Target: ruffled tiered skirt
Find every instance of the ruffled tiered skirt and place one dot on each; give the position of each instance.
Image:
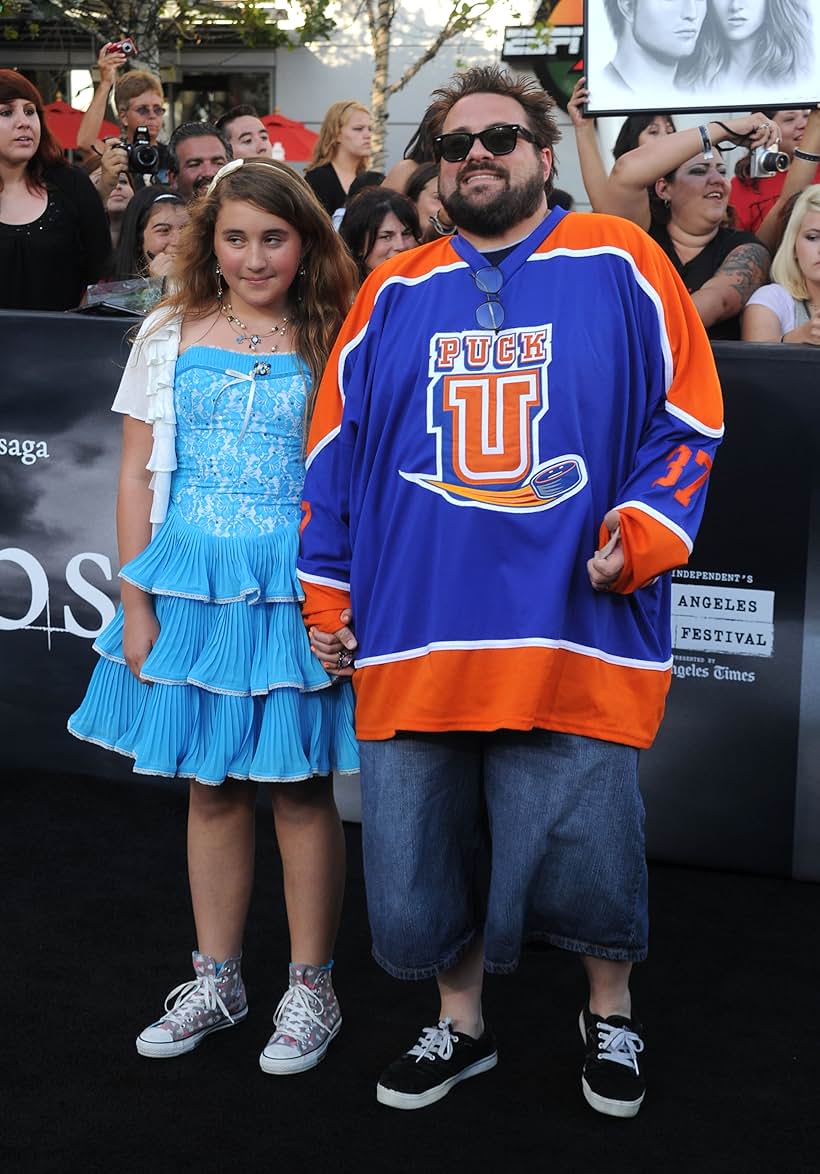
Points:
(235, 690)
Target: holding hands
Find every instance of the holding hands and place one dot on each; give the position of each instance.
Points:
(335, 649)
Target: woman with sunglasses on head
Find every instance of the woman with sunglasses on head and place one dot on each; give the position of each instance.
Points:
(54, 238)
(379, 224)
(676, 187)
(758, 202)
(206, 671)
(341, 152)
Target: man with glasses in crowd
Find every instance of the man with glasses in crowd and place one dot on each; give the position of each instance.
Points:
(499, 404)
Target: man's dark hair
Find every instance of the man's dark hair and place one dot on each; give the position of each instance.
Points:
(244, 111)
(194, 130)
(491, 79)
(616, 17)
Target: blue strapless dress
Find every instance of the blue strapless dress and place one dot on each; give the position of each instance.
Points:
(236, 691)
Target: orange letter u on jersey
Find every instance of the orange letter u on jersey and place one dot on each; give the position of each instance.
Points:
(492, 424)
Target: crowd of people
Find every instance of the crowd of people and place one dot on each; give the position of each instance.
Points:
(310, 475)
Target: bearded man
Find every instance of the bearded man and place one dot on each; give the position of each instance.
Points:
(499, 404)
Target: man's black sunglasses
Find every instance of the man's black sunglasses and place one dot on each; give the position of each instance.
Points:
(498, 140)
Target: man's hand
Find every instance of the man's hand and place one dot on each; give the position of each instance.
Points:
(335, 649)
(607, 563)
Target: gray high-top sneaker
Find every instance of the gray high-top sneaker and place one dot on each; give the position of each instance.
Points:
(306, 1020)
(207, 1003)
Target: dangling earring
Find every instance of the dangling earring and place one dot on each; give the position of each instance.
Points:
(300, 276)
(667, 204)
(219, 289)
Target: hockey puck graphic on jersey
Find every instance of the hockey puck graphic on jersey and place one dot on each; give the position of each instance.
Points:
(556, 479)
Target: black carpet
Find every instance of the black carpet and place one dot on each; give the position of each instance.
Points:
(98, 930)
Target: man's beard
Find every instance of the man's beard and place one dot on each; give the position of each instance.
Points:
(507, 208)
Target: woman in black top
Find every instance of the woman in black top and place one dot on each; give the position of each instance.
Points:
(341, 152)
(676, 187)
(53, 231)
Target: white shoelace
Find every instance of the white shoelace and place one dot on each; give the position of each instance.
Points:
(619, 1044)
(298, 1008)
(435, 1041)
(200, 993)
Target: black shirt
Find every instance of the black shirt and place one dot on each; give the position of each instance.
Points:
(327, 186)
(47, 263)
(697, 272)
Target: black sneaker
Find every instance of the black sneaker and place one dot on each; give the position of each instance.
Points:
(612, 1081)
(429, 1070)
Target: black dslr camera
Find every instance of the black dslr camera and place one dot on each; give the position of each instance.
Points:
(143, 158)
(766, 162)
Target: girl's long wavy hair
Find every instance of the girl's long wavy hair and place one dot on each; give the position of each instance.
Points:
(325, 147)
(785, 269)
(49, 153)
(782, 47)
(319, 297)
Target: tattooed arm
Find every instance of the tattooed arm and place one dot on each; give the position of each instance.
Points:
(725, 294)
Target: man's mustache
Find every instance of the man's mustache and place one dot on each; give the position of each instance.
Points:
(471, 169)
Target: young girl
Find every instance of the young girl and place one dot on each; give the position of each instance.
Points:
(206, 671)
(788, 310)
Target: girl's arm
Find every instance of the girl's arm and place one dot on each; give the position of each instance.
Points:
(634, 172)
(134, 498)
(760, 324)
(725, 294)
(593, 172)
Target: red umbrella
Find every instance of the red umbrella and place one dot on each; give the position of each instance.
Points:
(297, 141)
(64, 122)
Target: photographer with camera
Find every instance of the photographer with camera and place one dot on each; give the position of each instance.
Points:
(140, 105)
(758, 191)
(676, 187)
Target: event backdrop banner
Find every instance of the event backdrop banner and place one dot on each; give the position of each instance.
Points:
(733, 780)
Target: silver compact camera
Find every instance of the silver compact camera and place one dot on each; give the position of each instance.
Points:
(766, 162)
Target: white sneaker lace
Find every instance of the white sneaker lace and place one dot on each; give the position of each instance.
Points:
(298, 1008)
(435, 1041)
(199, 993)
(619, 1044)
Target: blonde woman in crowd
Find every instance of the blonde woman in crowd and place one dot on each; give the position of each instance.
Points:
(341, 152)
(788, 310)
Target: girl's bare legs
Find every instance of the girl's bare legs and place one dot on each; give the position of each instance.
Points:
(312, 847)
(220, 864)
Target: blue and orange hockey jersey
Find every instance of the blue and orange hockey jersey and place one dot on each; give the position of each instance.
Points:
(458, 478)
